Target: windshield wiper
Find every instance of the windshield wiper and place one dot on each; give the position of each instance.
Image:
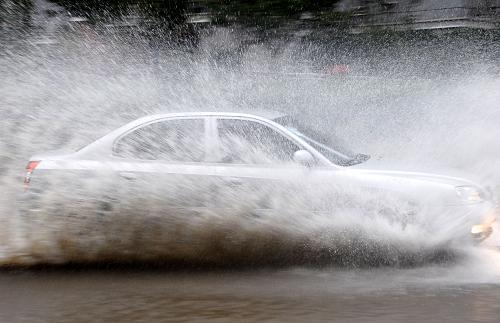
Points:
(358, 159)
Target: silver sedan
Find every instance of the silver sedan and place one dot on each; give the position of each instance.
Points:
(263, 162)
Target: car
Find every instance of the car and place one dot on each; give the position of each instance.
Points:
(262, 162)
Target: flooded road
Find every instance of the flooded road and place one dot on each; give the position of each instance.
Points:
(430, 294)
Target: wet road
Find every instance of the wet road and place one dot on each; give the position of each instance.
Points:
(464, 291)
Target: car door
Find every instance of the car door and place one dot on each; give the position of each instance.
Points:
(162, 166)
(255, 171)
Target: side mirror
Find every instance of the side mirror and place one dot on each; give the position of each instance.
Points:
(303, 157)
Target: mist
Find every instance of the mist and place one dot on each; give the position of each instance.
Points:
(84, 82)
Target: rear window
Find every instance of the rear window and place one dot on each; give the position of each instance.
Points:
(180, 140)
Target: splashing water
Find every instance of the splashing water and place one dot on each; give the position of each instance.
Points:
(65, 94)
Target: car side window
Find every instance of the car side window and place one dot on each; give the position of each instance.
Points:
(181, 140)
(249, 142)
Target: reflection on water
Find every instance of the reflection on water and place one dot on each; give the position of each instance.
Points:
(466, 290)
(455, 292)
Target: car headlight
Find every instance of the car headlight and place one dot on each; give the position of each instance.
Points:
(470, 194)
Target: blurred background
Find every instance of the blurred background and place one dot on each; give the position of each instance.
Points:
(380, 32)
(353, 15)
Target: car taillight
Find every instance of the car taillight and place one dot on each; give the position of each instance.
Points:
(29, 170)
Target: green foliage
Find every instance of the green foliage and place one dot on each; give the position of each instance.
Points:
(270, 8)
(246, 12)
(170, 10)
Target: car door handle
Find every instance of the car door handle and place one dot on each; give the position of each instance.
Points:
(234, 181)
(128, 175)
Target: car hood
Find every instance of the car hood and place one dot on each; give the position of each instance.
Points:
(378, 167)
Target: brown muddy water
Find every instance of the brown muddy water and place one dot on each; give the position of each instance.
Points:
(444, 293)
(465, 288)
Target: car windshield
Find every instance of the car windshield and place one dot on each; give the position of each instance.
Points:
(329, 146)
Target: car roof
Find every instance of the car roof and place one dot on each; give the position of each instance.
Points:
(262, 114)
(267, 114)
(112, 136)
